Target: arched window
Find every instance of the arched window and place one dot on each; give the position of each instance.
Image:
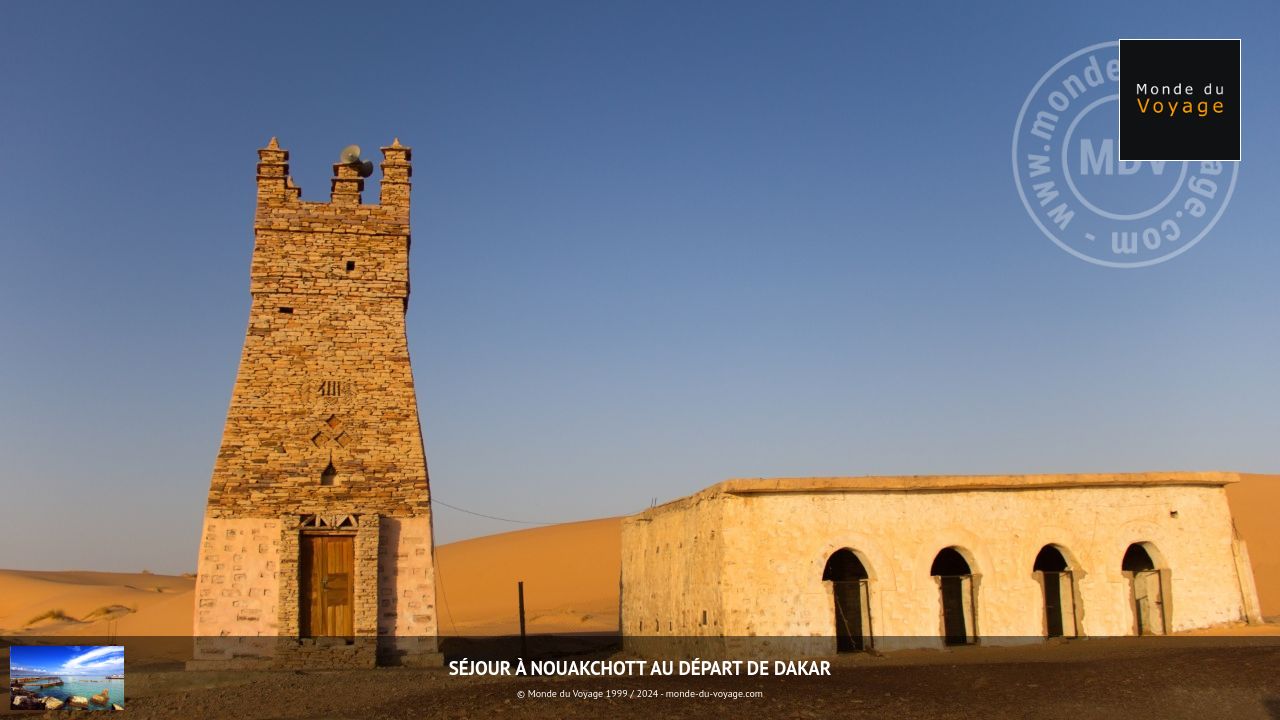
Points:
(1137, 559)
(329, 475)
(1050, 559)
(949, 561)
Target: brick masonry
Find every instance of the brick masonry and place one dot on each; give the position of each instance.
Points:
(322, 434)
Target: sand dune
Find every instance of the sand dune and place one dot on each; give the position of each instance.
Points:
(570, 575)
(94, 603)
(1255, 505)
(570, 571)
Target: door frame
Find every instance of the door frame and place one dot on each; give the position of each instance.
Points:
(1069, 603)
(968, 593)
(865, 641)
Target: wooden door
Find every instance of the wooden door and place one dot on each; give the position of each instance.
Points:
(970, 622)
(956, 613)
(1052, 603)
(1068, 604)
(328, 586)
(849, 614)
(1148, 602)
(864, 605)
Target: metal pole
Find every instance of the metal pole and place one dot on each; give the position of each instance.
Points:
(524, 647)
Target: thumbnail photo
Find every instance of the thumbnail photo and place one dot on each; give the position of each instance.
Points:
(56, 677)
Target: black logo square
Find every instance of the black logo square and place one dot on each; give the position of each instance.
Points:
(1179, 99)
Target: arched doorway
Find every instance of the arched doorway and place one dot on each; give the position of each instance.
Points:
(1056, 577)
(851, 592)
(1149, 588)
(955, 584)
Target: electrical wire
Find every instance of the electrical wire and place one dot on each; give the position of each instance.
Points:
(490, 517)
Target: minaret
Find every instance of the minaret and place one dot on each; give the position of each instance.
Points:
(317, 541)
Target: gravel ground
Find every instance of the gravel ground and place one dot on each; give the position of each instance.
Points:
(1116, 678)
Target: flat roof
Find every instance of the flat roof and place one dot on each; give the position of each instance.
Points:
(926, 483)
(947, 483)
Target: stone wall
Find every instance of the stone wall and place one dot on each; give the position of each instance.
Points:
(407, 619)
(324, 378)
(673, 571)
(237, 587)
(773, 547)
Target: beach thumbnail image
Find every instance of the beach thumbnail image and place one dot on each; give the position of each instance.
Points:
(55, 677)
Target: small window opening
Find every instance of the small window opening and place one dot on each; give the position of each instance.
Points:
(1136, 559)
(1050, 560)
(351, 265)
(286, 310)
(329, 475)
(704, 617)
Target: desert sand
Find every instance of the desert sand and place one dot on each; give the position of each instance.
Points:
(1255, 505)
(94, 603)
(571, 574)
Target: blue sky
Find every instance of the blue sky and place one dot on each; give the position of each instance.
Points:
(656, 245)
(85, 660)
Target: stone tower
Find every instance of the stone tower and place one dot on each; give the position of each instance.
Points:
(317, 544)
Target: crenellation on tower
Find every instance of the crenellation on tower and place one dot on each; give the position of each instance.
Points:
(397, 171)
(321, 477)
(273, 173)
(346, 185)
